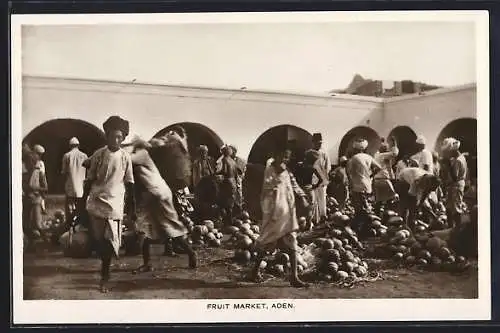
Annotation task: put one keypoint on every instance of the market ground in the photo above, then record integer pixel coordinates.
(49, 275)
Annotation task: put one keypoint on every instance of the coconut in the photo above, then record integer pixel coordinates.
(424, 254)
(255, 228)
(331, 268)
(341, 275)
(237, 223)
(331, 255)
(337, 243)
(361, 271)
(410, 260)
(328, 244)
(422, 262)
(245, 215)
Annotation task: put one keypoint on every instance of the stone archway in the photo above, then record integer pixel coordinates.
(405, 137)
(198, 134)
(54, 135)
(358, 132)
(295, 137)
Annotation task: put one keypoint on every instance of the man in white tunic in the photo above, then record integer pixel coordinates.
(74, 173)
(424, 156)
(324, 166)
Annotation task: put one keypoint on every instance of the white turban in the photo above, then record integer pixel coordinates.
(74, 141)
(343, 159)
(420, 140)
(450, 144)
(360, 144)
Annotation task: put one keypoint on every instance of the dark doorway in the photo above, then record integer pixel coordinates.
(198, 134)
(295, 137)
(54, 135)
(465, 130)
(405, 138)
(360, 132)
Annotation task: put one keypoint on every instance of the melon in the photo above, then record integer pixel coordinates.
(302, 220)
(348, 247)
(337, 243)
(255, 228)
(331, 268)
(361, 271)
(337, 215)
(424, 254)
(422, 261)
(382, 232)
(248, 221)
(245, 215)
(435, 261)
(460, 260)
(348, 256)
(450, 259)
(337, 232)
(245, 227)
(376, 224)
(390, 213)
(341, 275)
(410, 260)
(319, 242)
(374, 217)
(238, 223)
(401, 248)
(331, 255)
(328, 244)
(345, 218)
(232, 229)
(373, 232)
(420, 229)
(245, 242)
(210, 236)
(397, 256)
(209, 225)
(401, 234)
(395, 220)
(434, 244)
(444, 252)
(215, 242)
(352, 275)
(345, 241)
(263, 264)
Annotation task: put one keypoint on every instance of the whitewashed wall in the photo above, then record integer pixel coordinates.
(238, 117)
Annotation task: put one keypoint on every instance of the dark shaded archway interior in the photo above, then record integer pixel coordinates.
(405, 138)
(54, 135)
(279, 136)
(360, 132)
(465, 130)
(198, 134)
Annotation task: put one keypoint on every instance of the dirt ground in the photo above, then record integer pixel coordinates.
(49, 275)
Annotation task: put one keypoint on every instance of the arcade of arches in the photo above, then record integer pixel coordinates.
(55, 134)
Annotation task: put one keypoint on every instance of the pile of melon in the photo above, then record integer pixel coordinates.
(205, 233)
(425, 251)
(244, 232)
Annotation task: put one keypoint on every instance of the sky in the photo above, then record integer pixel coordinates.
(299, 57)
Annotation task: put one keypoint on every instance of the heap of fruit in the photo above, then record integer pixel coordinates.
(54, 223)
(426, 251)
(205, 233)
(244, 232)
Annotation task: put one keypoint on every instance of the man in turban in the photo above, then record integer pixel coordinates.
(227, 172)
(203, 166)
(324, 166)
(339, 183)
(109, 188)
(424, 156)
(454, 179)
(360, 169)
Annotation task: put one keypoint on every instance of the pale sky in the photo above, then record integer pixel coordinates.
(301, 57)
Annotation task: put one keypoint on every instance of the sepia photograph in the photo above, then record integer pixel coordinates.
(241, 167)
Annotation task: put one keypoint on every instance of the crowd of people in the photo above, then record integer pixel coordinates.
(107, 189)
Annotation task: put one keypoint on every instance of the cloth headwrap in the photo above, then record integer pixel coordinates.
(224, 147)
(233, 148)
(179, 130)
(115, 123)
(343, 159)
(317, 137)
(420, 140)
(450, 144)
(38, 149)
(203, 148)
(74, 141)
(360, 144)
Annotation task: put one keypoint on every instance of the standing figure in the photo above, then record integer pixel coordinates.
(423, 156)
(360, 169)
(74, 173)
(324, 166)
(203, 166)
(40, 151)
(279, 220)
(110, 182)
(339, 183)
(414, 186)
(308, 171)
(161, 220)
(226, 172)
(454, 180)
(241, 167)
(171, 156)
(383, 180)
(34, 188)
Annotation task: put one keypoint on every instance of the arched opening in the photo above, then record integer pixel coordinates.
(295, 137)
(405, 138)
(367, 133)
(198, 134)
(465, 130)
(54, 135)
